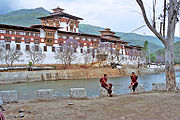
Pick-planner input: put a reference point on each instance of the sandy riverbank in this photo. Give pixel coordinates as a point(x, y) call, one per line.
point(145, 106)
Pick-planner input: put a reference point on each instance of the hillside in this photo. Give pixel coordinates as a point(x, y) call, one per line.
point(161, 52)
point(135, 39)
point(28, 17)
point(23, 17)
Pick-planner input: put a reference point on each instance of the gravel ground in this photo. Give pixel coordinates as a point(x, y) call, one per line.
point(146, 106)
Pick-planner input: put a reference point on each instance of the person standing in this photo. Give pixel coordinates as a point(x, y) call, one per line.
point(1, 113)
point(134, 81)
point(105, 85)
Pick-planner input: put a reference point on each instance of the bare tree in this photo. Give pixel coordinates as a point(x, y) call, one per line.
point(168, 41)
point(66, 56)
point(10, 56)
point(87, 57)
point(102, 52)
point(35, 54)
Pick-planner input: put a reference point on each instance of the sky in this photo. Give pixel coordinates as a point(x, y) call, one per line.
point(119, 15)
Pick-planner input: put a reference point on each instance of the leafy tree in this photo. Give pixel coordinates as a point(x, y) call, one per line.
point(153, 57)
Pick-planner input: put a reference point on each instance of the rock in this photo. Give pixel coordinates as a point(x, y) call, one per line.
point(21, 110)
point(104, 93)
point(78, 93)
point(45, 94)
point(9, 96)
point(158, 86)
point(70, 103)
point(140, 88)
point(10, 116)
point(21, 115)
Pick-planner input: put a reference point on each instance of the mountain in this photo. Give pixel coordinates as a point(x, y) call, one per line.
point(28, 17)
point(23, 17)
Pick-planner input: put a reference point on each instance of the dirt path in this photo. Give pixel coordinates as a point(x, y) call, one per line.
point(147, 106)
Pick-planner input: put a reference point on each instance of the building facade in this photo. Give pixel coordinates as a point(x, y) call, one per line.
point(60, 30)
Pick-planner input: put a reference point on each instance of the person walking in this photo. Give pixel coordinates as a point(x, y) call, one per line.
point(105, 85)
point(134, 81)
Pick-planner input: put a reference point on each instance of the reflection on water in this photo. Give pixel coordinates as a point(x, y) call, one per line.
point(61, 88)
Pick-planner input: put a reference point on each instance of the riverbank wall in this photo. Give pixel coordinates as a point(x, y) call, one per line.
point(48, 75)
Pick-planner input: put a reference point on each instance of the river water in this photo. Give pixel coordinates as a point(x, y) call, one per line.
point(26, 91)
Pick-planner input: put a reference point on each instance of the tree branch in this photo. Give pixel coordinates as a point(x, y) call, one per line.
point(140, 3)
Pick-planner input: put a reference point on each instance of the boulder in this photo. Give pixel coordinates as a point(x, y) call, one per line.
point(44, 94)
point(140, 88)
point(9, 96)
point(158, 86)
point(78, 93)
point(104, 92)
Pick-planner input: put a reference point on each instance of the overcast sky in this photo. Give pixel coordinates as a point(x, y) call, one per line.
point(119, 15)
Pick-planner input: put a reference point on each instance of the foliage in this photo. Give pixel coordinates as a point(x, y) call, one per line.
point(30, 64)
point(153, 57)
point(161, 52)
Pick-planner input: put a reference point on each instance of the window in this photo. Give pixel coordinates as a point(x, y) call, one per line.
point(21, 33)
point(13, 32)
point(49, 42)
point(7, 39)
point(75, 49)
point(37, 34)
point(87, 45)
point(81, 44)
point(45, 48)
point(36, 41)
point(53, 49)
point(9, 32)
point(36, 48)
point(17, 32)
point(27, 48)
point(61, 49)
point(27, 40)
point(88, 50)
point(18, 47)
point(3, 31)
point(74, 29)
point(7, 46)
point(18, 39)
point(27, 33)
point(67, 28)
point(81, 50)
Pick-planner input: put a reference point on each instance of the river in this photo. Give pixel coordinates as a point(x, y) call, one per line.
point(26, 91)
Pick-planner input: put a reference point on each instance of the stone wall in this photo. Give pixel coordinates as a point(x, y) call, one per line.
point(44, 75)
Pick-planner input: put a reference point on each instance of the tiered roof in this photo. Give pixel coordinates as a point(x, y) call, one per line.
point(58, 12)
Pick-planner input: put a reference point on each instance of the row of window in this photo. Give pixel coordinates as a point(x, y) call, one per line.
point(77, 38)
point(13, 32)
point(18, 40)
point(27, 48)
